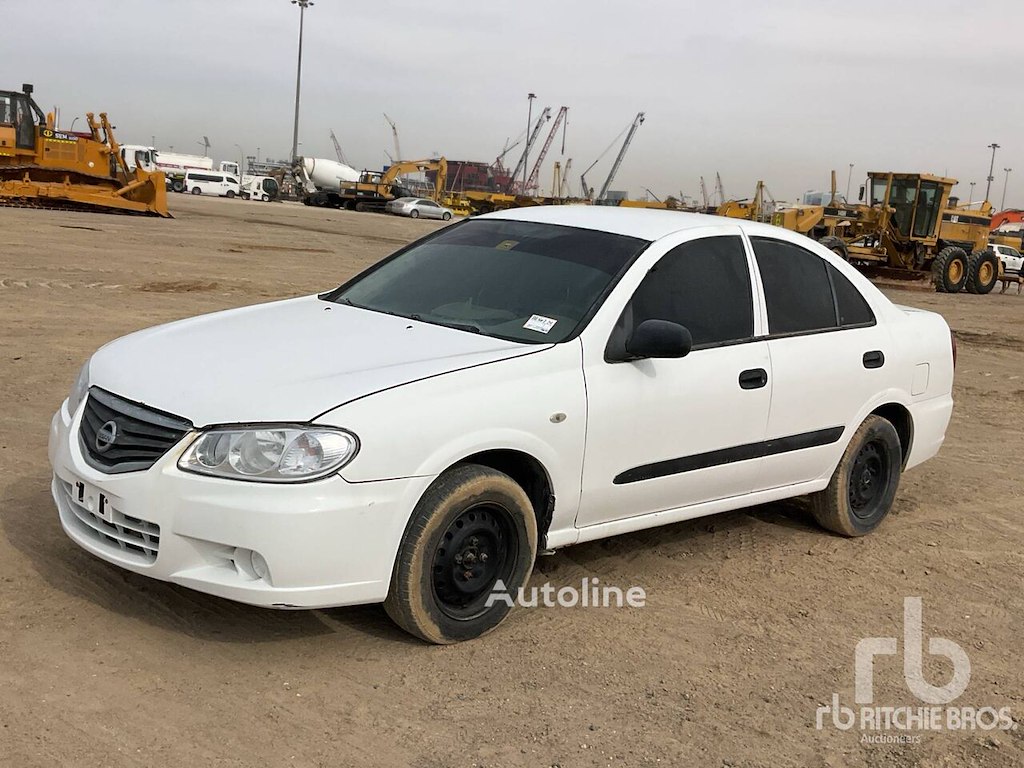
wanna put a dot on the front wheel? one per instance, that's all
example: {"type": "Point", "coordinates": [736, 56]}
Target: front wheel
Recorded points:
{"type": "Point", "coordinates": [863, 487]}
{"type": "Point", "coordinates": [473, 528]}
{"type": "Point", "coordinates": [414, 214]}
{"type": "Point", "coordinates": [447, 216]}
{"type": "Point", "coordinates": [230, 194]}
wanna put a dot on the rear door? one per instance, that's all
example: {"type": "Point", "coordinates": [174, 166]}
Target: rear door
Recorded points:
{"type": "Point", "coordinates": [828, 358]}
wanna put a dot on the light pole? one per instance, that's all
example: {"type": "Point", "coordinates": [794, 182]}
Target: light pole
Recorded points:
{"type": "Point", "coordinates": [241, 161]}
{"type": "Point", "coordinates": [971, 200]}
{"type": "Point", "coordinates": [303, 5]}
{"type": "Point", "coordinates": [993, 146]}
{"type": "Point", "coordinates": [526, 152]}
{"type": "Point", "coordinates": [1002, 205]}
{"type": "Point", "coordinates": [849, 176]}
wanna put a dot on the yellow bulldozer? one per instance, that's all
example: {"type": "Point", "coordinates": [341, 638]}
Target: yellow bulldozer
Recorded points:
{"type": "Point", "coordinates": [42, 167]}
{"type": "Point", "coordinates": [908, 227]}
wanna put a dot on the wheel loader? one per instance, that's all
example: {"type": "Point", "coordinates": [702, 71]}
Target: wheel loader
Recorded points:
{"type": "Point", "coordinates": [908, 228]}
{"type": "Point", "coordinates": [42, 167]}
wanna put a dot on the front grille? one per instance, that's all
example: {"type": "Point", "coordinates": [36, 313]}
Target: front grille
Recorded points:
{"type": "Point", "coordinates": [133, 436]}
{"type": "Point", "coordinates": [133, 536]}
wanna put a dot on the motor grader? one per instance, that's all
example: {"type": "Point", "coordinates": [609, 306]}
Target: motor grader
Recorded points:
{"type": "Point", "coordinates": [909, 227]}
{"type": "Point", "coordinates": [42, 167]}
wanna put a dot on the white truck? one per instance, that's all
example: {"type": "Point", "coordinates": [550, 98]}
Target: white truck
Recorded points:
{"type": "Point", "coordinates": [174, 165]}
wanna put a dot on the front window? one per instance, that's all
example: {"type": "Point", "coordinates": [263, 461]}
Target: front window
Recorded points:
{"type": "Point", "coordinates": [522, 281]}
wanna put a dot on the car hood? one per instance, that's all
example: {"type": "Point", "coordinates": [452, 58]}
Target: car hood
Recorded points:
{"type": "Point", "coordinates": [285, 361]}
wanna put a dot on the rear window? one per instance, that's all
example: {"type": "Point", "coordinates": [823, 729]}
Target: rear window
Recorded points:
{"type": "Point", "coordinates": [797, 289]}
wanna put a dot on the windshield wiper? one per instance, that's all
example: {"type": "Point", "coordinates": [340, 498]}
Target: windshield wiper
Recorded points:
{"type": "Point", "coordinates": [457, 326]}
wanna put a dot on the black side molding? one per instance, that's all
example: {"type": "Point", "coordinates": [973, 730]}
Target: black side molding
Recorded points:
{"type": "Point", "coordinates": [874, 359]}
{"type": "Point", "coordinates": [730, 455]}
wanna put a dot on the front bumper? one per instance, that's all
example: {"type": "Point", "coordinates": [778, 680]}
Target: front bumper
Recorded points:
{"type": "Point", "coordinates": [325, 543]}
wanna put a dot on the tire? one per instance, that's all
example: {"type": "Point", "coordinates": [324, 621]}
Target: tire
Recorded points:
{"type": "Point", "coordinates": [837, 246]}
{"type": "Point", "coordinates": [414, 214]}
{"type": "Point", "coordinates": [178, 185]}
{"type": "Point", "coordinates": [447, 216]}
{"type": "Point", "coordinates": [982, 272]}
{"type": "Point", "coordinates": [950, 270]}
{"type": "Point", "coordinates": [196, 191]}
{"type": "Point", "coordinates": [230, 194]}
{"type": "Point", "coordinates": [469, 511]}
{"type": "Point", "coordinates": [265, 198]}
{"type": "Point", "coordinates": [863, 487]}
{"type": "Point", "coordinates": [245, 195]}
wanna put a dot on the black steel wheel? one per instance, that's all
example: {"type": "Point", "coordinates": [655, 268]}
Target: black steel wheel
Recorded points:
{"type": "Point", "coordinates": [863, 486]}
{"type": "Point", "coordinates": [477, 549]}
{"type": "Point", "coordinates": [473, 527]}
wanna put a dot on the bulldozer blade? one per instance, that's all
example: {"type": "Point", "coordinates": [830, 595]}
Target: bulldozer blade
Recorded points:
{"type": "Point", "coordinates": [146, 195]}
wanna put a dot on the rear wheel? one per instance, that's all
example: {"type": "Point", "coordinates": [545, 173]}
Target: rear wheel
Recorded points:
{"type": "Point", "coordinates": [473, 527]}
{"type": "Point", "coordinates": [196, 191]}
{"type": "Point", "coordinates": [982, 272]}
{"type": "Point", "coordinates": [949, 270]}
{"type": "Point", "coordinates": [837, 246]}
{"type": "Point", "coordinates": [863, 487]}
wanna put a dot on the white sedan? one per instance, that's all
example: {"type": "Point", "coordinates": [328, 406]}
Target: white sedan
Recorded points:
{"type": "Point", "coordinates": [418, 207]}
{"type": "Point", "coordinates": [518, 382]}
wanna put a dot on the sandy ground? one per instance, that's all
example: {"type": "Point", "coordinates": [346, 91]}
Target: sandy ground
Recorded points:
{"type": "Point", "coordinates": [751, 619]}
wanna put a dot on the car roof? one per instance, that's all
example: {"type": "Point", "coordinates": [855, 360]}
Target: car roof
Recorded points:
{"type": "Point", "coordinates": [647, 223]}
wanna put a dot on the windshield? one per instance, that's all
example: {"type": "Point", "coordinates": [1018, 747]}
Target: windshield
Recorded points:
{"type": "Point", "coordinates": [515, 280]}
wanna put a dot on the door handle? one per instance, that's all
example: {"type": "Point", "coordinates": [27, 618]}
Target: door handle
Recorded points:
{"type": "Point", "coordinates": [874, 359]}
{"type": "Point", "coordinates": [754, 378]}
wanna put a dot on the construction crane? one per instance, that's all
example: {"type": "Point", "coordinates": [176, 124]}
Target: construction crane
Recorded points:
{"type": "Point", "coordinates": [637, 122]}
{"type": "Point", "coordinates": [718, 189]}
{"type": "Point", "coordinates": [535, 173]}
{"type": "Point", "coordinates": [563, 188]}
{"type": "Point", "coordinates": [394, 133]}
{"type": "Point", "coordinates": [337, 149]}
{"type": "Point", "coordinates": [544, 116]}
{"type": "Point", "coordinates": [704, 194]}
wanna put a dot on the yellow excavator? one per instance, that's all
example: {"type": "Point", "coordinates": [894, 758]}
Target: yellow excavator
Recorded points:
{"type": "Point", "coordinates": [374, 189]}
{"type": "Point", "coordinates": [42, 167]}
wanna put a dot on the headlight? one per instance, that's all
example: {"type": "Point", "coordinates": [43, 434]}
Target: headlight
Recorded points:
{"type": "Point", "coordinates": [270, 454]}
{"type": "Point", "coordinates": [79, 389]}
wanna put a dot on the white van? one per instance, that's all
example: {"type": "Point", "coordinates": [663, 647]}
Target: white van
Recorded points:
{"type": "Point", "coordinates": [212, 183]}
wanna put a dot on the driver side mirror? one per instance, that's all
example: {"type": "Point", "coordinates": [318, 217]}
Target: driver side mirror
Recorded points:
{"type": "Point", "coordinates": [860, 195]}
{"type": "Point", "coordinates": [658, 339]}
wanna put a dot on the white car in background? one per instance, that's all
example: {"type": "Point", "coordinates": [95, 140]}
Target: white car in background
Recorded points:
{"type": "Point", "coordinates": [1011, 258]}
{"type": "Point", "coordinates": [522, 381]}
{"type": "Point", "coordinates": [418, 207]}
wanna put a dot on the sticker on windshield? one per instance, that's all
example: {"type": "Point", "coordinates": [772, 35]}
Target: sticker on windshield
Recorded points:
{"type": "Point", "coordinates": [506, 245]}
{"type": "Point", "coordinates": [539, 323]}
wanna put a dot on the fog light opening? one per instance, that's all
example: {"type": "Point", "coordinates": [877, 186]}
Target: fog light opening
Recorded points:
{"type": "Point", "coordinates": [259, 566]}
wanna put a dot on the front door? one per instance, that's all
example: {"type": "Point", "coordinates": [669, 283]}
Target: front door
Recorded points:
{"type": "Point", "coordinates": [669, 433]}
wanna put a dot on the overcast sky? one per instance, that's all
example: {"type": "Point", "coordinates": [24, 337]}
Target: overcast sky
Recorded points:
{"type": "Point", "coordinates": [782, 91]}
